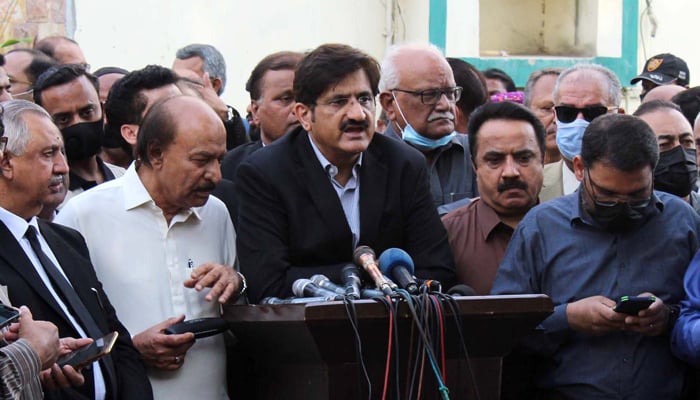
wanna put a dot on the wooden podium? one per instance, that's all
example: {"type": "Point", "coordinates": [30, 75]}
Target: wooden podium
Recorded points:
{"type": "Point", "coordinates": [307, 351]}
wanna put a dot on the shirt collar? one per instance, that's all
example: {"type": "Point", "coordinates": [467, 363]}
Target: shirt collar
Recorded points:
{"type": "Point", "coordinates": [331, 169]}
{"type": "Point", "coordinates": [77, 182]}
{"type": "Point", "coordinates": [136, 195]}
{"type": "Point", "coordinates": [487, 218]}
{"type": "Point", "coordinates": [16, 224]}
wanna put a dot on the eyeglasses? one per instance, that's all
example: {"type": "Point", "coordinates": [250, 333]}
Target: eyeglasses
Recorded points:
{"type": "Point", "coordinates": [3, 138]}
{"type": "Point", "coordinates": [568, 114]}
{"type": "Point", "coordinates": [634, 202]}
{"type": "Point", "coordinates": [433, 96]}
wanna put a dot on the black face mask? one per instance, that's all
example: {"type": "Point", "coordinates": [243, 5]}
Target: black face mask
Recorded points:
{"type": "Point", "coordinates": [618, 216]}
{"type": "Point", "coordinates": [83, 140]}
{"type": "Point", "coordinates": [676, 171]}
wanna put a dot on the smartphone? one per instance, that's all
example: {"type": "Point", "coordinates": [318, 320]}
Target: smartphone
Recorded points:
{"type": "Point", "coordinates": [631, 305]}
{"type": "Point", "coordinates": [8, 315]}
{"type": "Point", "coordinates": [90, 353]}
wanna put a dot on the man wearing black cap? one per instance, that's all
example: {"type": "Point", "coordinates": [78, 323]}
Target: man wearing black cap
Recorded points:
{"type": "Point", "coordinates": [662, 69]}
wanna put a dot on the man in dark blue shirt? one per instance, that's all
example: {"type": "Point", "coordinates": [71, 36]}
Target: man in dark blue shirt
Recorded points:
{"type": "Point", "coordinates": [613, 237]}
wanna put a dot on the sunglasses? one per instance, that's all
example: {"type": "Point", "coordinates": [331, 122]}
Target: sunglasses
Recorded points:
{"type": "Point", "coordinates": [568, 114]}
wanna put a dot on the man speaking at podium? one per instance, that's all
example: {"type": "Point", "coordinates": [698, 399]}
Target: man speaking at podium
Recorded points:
{"type": "Point", "coordinates": [310, 198]}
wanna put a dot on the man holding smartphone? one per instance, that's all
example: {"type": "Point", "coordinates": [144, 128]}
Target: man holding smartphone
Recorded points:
{"type": "Point", "coordinates": [47, 266]}
{"type": "Point", "coordinates": [614, 237]}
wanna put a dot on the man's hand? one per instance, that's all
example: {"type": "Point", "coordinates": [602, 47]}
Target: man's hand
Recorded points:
{"type": "Point", "coordinates": [594, 315]}
{"type": "Point", "coordinates": [41, 335]}
{"type": "Point", "coordinates": [163, 351]}
{"type": "Point", "coordinates": [212, 98]}
{"type": "Point", "coordinates": [649, 322]}
{"type": "Point", "coordinates": [56, 378]}
{"type": "Point", "coordinates": [222, 279]}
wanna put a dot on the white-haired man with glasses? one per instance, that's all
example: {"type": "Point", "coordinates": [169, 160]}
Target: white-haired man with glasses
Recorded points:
{"type": "Point", "coordinates": [418, 93]}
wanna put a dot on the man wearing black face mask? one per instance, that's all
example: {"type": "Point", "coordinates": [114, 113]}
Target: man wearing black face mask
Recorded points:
{"type": "Point", "coordinates": [615, 236]}
{"type": "Point", "coordinates": [677, 169]}
{"type": "Point", "coordinates": [70, 95]}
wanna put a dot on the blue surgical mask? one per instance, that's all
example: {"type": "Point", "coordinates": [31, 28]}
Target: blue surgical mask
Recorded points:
{"type": "Point", "coordinates": [410, 135]}
{"type": "Point", "coordinates": [570, 137]}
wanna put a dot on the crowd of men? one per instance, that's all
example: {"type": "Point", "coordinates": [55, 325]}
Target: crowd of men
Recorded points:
{"type": "Point", "coordinates": [133, 200]}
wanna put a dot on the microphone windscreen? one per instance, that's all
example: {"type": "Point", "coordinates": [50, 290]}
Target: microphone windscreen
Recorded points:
{"type": "Point", "coordinates": [462, 290]}
{"type": "Point", "coordinates": [395, 257]}
{"type": "Point", "coordinates": [359, 251]}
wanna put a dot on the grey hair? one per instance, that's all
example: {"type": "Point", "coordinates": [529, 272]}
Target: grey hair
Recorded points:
{"type": "Point", "coordinates": [15, 125]}
{"type": "Point", "coordinates": [390, 77]}
{"type": "Point", "coordinates": [213, 60]}
{"type": "Point", "coordinates": [614, 86]}
{"type": "Point", "coordinates": [534, 78]}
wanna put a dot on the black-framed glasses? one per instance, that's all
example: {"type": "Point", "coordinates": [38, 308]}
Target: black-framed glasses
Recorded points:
{"type": "Point", "coordinates": [633, 202]}
{"type": "Point", "coordinates": [432, 96]}
{"type": "Point", "coordinates": [3, 138]}
{"type": "Point", "coordinates": [568, 114]}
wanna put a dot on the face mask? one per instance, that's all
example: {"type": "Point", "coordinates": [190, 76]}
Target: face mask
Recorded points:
{"type": "Point", "coordinates": [83, 140]}
{"type": "Point", "coordinates": [621, 216]}
{"type": "Point", "coordinates": [570, 137]}
{"type": "Point", "coordinates": [676, 171]}
{"type": "Point", "coordinates": [416, 139]}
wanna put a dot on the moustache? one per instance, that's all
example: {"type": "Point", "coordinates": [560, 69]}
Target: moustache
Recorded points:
{"type": "Point", "coordinates": [441, 115]}
{"type": "Point", "coordinates": [364, 124]}
{"type": "Point", "coordinates": [56, 179]}
{"type": "Point", "coordinates": [511, 184]}
{"type": "Point", "coordinates": [205, 188]}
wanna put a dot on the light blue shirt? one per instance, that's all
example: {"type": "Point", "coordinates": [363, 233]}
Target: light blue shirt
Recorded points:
{"type": "Point", "coordinates": [349, 194]}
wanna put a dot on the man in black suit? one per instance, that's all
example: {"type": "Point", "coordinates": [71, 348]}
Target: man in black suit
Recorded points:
{"type": "Point", "coordinates": [49, 271]}
{"type": "Point", "coordinates": [330, 185]}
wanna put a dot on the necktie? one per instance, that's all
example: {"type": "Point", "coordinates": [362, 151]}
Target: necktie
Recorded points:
{"type": "Point", "coordinates": [70, 295]}
{"type": "Point", "coordinates": [61, 283]}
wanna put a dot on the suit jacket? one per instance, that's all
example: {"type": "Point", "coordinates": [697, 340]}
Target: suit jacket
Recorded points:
{"type": "Point", "coordinates": [292, 224]}
{"type": "Point", "coordinates": [125, 376]}
{"type": "Point", "coordinates": [553, 181]}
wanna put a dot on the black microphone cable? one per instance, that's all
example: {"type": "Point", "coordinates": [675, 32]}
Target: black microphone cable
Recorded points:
{"type": "Point", "coordinates": [352, 317]}
{"type": "Point", "coordinates": [454, 308]}
{"type": "Point", "coordinates": [444, 391]}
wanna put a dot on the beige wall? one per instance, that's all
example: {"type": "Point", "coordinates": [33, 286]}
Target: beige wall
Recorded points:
{"type": "Point", "coordinates": [134, 33]}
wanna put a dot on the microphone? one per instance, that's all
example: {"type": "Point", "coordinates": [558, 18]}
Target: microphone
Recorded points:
{"type": "Point", "coordinates": [429, 285]}
{"type": "Point", "coordinates": [292, 300]}
{"type": "Point", "coordinates": [323, 282]}
{"type": "Point", "coordinates": [306, 288]}
{"type": "Point", "coordinates": [371, 293]}
{"type": "Point", "coordinates": [397, 264]}
{"type": "Point", "coordinates": [352, 281]}
{"type": "Point", "coordinates": [365, 257]}
{"type": "Point", "coordinates": [462, 290]}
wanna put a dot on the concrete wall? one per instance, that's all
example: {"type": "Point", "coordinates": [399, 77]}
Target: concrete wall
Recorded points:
{"type": "Point", "coordinates": [134, 33]}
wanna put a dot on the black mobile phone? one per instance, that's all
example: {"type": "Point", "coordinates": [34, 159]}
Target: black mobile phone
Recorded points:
{"type": "Point", "coordinates": [8, 315]}
{"type": "Point", "coordinates": [631, 305]}
{"type": "Point", "coordinates": [90, 353]}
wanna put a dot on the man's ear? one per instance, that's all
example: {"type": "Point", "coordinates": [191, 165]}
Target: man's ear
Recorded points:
{"type": "Point", "coordinates": [130, 133]}
{"type": "Point", "coordinates": [388, 103]}
{"type": "Point", "coordinates": [254, 107]}
{"type": "Point", "coordinates": [155, 153]}
{"type": "Point", "coordinates": [217, 83]}
{"type": "Point", "coordinates": [304, 114]}
{"type": "Point", "coordinates": [6, 167]}
{"type": "Point", "coordinates": [579, 168]}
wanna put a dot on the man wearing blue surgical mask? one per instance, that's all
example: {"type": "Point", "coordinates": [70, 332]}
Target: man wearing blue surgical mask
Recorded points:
{"type": "Point", "coordinates": [418, 94]}
{"type": "Point", "coordinates": [582, 93]}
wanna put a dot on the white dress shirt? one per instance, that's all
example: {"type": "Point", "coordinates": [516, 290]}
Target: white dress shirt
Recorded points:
{"type": "Point", "coordinates": [18, 227]}
{"type": "Point", "coordinates": [142, 263]}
